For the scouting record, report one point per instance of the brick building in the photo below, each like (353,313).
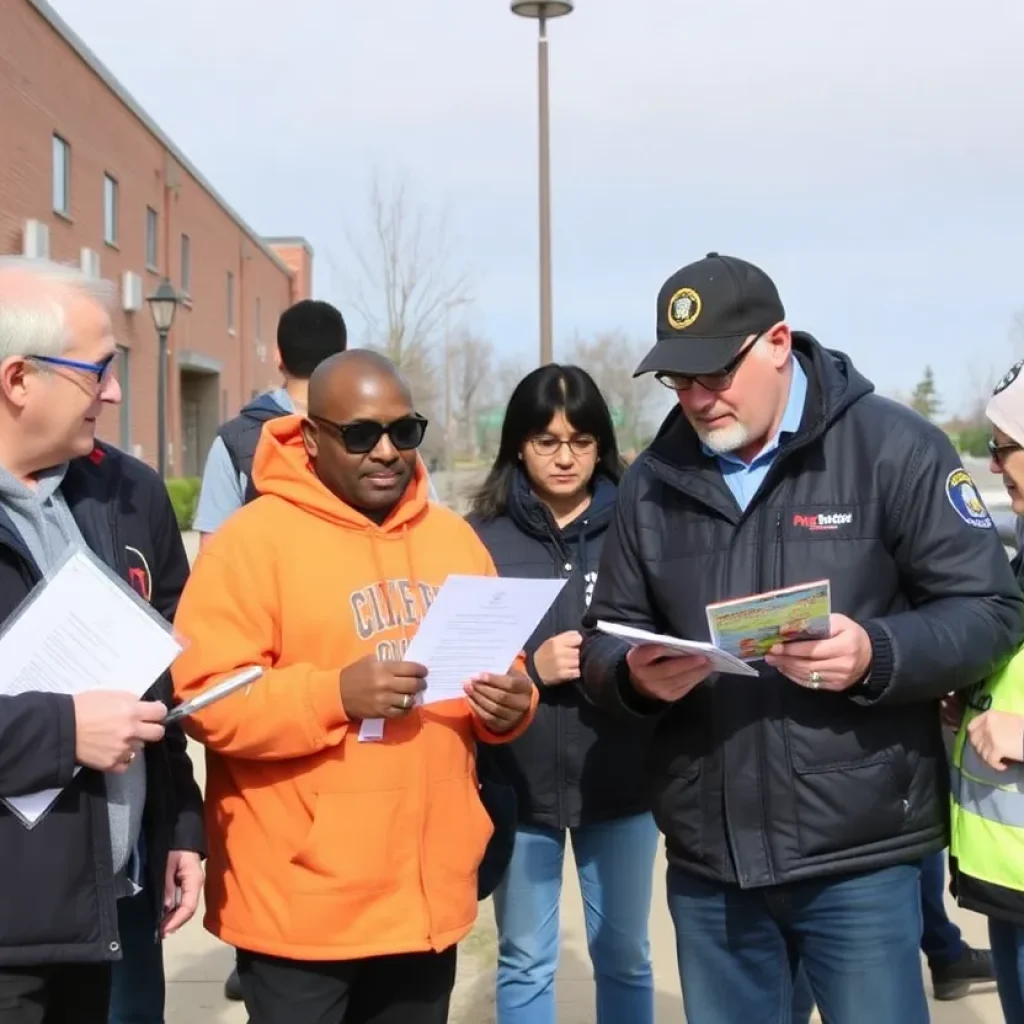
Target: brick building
(87,177)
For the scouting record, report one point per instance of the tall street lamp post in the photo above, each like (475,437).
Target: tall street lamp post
(542,11)
(163,304)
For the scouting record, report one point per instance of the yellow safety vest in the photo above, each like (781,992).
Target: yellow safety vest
(987,828)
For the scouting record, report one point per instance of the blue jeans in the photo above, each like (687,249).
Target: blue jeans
(858,938)
(615,865)
(941,940)
(1008,960)
(137,984)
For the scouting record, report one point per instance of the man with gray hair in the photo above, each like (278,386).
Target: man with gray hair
(130,820)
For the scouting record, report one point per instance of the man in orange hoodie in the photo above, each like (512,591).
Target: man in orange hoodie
(343,871)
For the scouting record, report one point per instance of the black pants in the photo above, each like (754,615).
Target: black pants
(411,989)
(56,994)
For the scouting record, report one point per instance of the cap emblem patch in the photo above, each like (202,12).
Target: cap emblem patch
(683,308)
(1008,378)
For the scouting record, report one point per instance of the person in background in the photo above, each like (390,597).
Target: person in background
(307,333)
(987,848)
(344,871)
(577,772)
(94,884)
(797,806)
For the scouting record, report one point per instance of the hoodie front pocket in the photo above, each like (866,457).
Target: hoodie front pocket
(458,830)
(357,843)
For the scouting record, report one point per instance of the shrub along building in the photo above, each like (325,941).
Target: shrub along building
(87,177)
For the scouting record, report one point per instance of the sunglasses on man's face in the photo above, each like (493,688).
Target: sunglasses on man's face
(362,436)
(1000,451)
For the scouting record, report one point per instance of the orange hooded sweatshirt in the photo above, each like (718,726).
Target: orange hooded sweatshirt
(322,847)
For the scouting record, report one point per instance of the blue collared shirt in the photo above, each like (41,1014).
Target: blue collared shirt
(744,478)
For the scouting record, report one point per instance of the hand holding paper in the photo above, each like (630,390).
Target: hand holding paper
(500,701)
(665,674)
(475,625)
(85,634)
(836,662)
(372,689)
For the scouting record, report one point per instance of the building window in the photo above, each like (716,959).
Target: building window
(61,176)
(186,265)
(109,210)
(151,237)
(231,302)
(125,410)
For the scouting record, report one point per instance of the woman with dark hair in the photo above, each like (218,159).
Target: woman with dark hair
(542,512)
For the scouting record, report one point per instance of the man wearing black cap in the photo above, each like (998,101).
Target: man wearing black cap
(796,806)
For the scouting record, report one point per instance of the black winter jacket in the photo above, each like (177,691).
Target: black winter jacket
(761,781)
(576,764)
(57,902)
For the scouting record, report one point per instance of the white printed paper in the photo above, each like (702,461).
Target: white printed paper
(720,661)
(81,630)
(476,624)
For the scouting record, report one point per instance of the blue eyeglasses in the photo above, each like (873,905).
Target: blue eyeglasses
(99,370)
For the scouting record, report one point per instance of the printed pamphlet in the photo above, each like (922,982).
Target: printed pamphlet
(748,627)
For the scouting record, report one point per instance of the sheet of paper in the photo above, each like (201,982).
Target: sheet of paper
(721,661)
(81,631)
(749,627)
(475,624)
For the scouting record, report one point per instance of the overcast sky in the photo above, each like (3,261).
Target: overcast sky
(869,156)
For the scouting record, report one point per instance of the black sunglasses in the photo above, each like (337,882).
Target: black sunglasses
(362,436)
(1000,451)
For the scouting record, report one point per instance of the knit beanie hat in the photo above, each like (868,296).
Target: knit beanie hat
(1005,408)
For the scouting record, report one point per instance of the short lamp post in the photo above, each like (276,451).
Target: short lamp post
(163,304)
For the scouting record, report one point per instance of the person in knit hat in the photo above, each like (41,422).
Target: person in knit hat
(1005,411)
(987,772)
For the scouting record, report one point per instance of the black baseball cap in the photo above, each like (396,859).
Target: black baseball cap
(705,313)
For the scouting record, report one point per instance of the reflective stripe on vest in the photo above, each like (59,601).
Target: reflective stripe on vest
(987,806)
(1004,806)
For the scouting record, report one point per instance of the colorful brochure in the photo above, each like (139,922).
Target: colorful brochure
(748,627)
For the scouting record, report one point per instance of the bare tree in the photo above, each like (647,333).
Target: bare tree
(509,374)
(469,362)
(610,358)
(403,286)
(406,285)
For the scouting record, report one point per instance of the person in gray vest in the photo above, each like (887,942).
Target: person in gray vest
(307,334)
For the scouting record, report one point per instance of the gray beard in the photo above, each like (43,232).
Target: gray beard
(725,440)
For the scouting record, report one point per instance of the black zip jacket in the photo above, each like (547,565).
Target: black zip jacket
(762,781)
(575,764)
(57,902)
